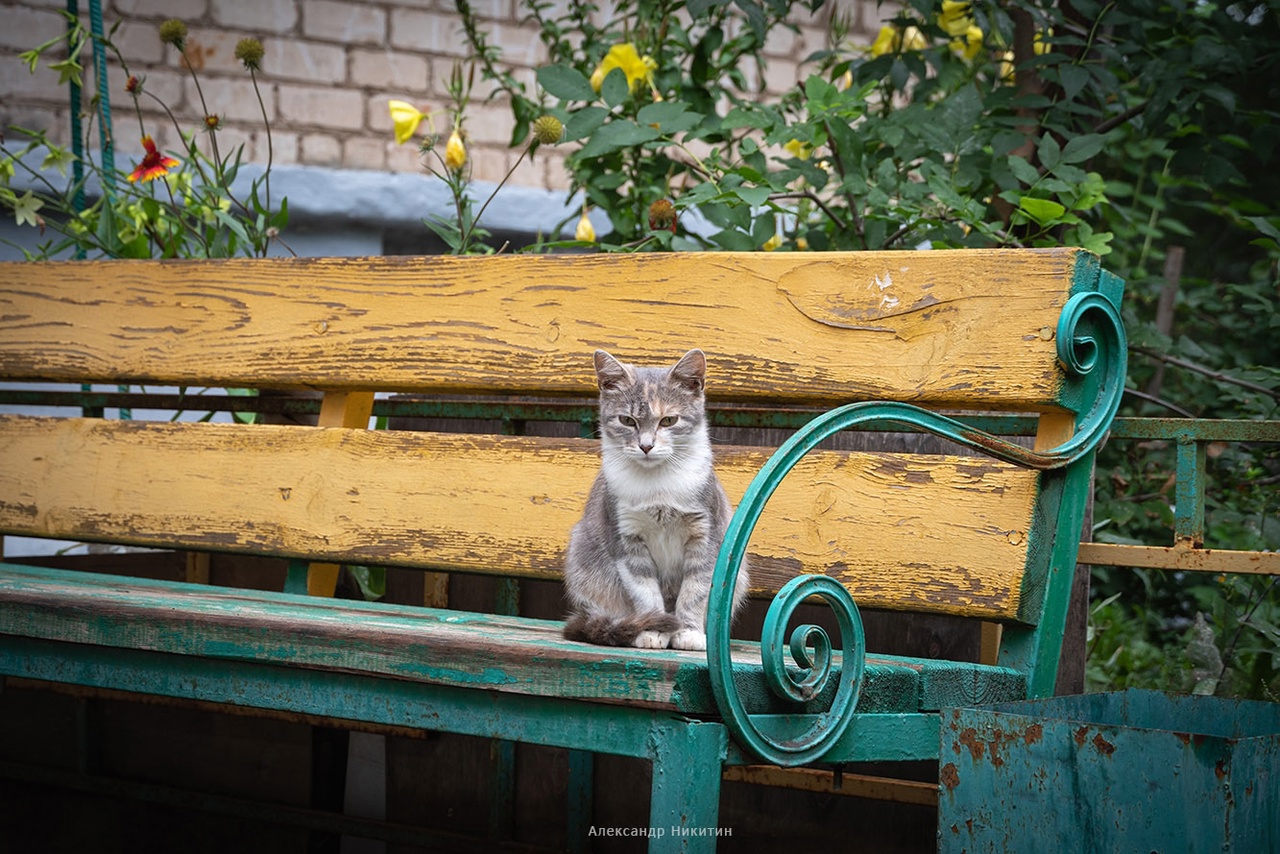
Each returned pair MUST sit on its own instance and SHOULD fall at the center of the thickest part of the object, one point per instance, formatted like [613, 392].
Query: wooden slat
[351, 409]
[1181, 558]
[489, 651]
[821, 327]
[946, 534]
[829, 783]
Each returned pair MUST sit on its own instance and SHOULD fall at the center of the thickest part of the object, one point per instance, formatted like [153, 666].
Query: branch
[811, 196]
[1119, 119]
[1158, 401]
[1208, 372]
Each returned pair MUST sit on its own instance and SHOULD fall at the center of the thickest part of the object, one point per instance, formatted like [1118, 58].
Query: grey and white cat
[641, 560]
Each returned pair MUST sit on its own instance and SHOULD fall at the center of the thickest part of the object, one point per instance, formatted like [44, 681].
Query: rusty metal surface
[1128, 771]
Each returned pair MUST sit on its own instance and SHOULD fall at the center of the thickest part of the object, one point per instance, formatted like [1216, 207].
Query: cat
[640, 561]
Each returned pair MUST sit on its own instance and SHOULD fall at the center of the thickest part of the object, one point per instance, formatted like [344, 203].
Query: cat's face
[650, 415]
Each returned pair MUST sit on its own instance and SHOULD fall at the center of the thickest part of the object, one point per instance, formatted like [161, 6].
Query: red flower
[153, 165]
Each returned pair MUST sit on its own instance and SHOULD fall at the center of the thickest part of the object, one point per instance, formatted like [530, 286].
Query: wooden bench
[874, 338]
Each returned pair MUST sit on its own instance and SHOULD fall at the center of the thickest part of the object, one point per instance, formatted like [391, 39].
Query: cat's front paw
[689, 639]
[652, 640]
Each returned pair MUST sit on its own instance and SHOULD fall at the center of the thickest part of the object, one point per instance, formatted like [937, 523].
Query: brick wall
[330, 68]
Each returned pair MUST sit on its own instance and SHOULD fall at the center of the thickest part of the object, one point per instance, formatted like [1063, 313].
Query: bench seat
[434, 646]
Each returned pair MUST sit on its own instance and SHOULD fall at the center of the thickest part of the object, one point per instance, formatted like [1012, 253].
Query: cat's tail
[608, 630]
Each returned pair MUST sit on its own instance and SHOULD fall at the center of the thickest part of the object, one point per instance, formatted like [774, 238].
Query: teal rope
[104, 97]
[77, 144]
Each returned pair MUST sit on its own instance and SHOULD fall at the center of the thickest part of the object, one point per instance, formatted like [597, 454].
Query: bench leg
[684, 805]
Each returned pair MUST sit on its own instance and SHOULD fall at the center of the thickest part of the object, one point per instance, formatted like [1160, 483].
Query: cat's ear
[610, 373]
[691, 371]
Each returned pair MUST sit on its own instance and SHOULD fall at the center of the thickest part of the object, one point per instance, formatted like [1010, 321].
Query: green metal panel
[1131, 771]
[1188, 511]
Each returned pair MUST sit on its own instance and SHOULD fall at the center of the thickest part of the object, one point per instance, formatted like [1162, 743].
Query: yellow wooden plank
[1182, 558]
[351, 409]
[198, 567]
[942, 534]
[969, 328]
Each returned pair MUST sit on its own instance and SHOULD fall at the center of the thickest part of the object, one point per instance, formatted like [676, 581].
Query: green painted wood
[870, 737]
[685, 799]
[342, 696]
[498, 653]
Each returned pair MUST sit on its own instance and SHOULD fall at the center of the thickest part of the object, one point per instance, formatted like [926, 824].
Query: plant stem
[475, 219]
[266, 122]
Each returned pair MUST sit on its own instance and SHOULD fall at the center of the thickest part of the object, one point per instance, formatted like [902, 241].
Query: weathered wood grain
[487, 651]
[930, 327]
[944, 534]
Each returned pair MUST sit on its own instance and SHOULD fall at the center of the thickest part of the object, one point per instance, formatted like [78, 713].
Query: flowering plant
[463, 234]
[924, 136]
[169, 205]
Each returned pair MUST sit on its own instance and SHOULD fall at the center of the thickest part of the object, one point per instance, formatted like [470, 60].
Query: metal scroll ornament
[1091, 348]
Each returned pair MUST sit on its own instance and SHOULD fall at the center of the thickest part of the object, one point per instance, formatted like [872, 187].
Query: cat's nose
[646, 448]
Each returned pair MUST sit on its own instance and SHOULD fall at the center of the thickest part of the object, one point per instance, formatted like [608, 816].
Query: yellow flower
[1007, 70]
[970, 45]
[405, 118]
[772, 243]
[892, 40]
[800, 150]
[802, 244]
[625, 56]
[455, 153]
[585, 232]
[845, 81]
[955, 17]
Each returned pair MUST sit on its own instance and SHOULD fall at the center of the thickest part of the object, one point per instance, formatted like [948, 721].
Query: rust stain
[996, 759]
[1103, 746]
[1220, 769]
[949, 776]
[1033, 735]
[969, 738]
[1080, 736]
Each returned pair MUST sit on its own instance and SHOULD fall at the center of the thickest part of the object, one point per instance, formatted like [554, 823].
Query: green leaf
[1081, 148]
[741, 117]
[615, 88]
[1049, 151]
[659, 112]
[754, 196]
[372, 580]
[733, 240]
[619, 133]
[671, 117]
[1265, 226]
[699, 8]
[561, 81]
[1073, 78]
[584, 122]
[1042, 211]
[1023, 171]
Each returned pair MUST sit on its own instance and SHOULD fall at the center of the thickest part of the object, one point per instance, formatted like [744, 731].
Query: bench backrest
[971, 330]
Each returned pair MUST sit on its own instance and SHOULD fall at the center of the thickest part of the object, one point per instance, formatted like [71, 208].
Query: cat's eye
[627, 421]
[669, 421]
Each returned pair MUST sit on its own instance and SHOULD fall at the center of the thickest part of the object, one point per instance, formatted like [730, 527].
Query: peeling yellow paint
[922, 533]
[921, 332]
